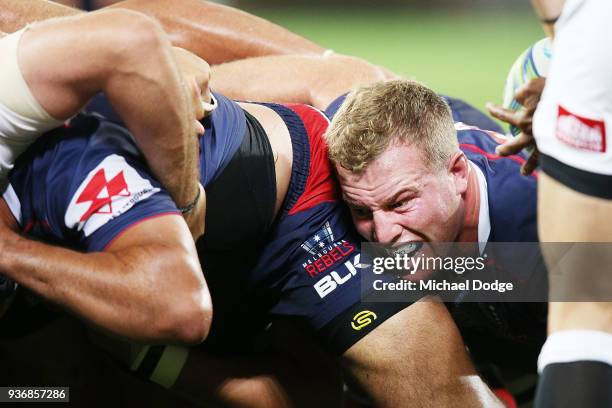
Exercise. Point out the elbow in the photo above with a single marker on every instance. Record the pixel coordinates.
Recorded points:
(185, 318)
(182, 310)
(192, 319)
(135, 36)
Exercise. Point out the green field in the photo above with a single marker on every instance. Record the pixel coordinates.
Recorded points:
(466, 54)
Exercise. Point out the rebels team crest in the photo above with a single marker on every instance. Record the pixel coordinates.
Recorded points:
(109, 190)
(320, 240)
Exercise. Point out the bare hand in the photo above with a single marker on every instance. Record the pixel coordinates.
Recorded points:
(196, 75)
(528, 96)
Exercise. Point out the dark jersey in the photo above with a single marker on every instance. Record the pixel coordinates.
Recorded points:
(507, 214)
(85, 184)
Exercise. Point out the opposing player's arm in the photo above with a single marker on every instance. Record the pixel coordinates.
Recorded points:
(127, 56)
(418, 355)
(313, 80)
(147, 285)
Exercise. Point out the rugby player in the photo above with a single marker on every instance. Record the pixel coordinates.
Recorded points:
(570, 126)
(375, 360)
(127, 56)
(477, 187)
(489, 190)
(124, 54)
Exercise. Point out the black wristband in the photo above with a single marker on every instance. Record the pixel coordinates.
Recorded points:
(191, 205)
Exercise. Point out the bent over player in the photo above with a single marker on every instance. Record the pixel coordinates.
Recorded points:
(50, 70)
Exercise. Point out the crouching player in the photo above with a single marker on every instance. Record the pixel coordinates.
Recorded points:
(124, 54)
(297, 290)
(266, 174)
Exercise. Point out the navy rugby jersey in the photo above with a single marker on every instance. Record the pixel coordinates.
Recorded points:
(511, 197)
(80, 186)
(83, 185)
(508, 212)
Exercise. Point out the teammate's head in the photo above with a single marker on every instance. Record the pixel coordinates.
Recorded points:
(395, 149)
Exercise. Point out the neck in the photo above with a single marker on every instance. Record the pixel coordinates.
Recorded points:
(469, 232)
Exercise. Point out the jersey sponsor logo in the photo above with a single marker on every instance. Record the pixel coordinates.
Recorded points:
(363, 319)
(330, 283)
(109, 190)
(580, 132)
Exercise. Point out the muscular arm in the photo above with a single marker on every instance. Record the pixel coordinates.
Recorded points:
(14, 14)
(219, 33)
(125, 55)
(314, 80)
(418, 359)
(147, 286)
(215, 32)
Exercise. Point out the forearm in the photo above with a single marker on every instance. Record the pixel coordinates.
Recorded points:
(118, 292)
(313, 80)
(220, 33)
(419, 356)
(127, 56)
(148, 92)
(214, 32)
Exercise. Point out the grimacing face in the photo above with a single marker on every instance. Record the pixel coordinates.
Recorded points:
(399, 199)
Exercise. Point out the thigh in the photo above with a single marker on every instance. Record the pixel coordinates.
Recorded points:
(579, 270)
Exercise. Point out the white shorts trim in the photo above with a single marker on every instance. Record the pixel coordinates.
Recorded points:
(576, 345)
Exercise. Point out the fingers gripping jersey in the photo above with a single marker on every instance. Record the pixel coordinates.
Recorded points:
(83, 185)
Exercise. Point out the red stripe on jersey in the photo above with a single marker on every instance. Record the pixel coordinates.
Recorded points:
(497, 137)
(320, 184)
(491, 156)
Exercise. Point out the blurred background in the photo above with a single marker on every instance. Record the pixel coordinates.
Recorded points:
(463, 48)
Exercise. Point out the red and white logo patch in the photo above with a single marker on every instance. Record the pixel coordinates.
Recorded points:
(580, 132)
(108, 191)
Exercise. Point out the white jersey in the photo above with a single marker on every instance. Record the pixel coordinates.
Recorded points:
(573, 122)
(22, 119)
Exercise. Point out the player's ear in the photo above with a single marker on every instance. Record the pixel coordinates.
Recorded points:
(459, 170)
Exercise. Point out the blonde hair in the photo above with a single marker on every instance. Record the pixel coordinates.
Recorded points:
(375, 115)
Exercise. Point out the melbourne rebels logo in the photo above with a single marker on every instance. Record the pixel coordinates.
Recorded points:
(320, 240)
(108, 191)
